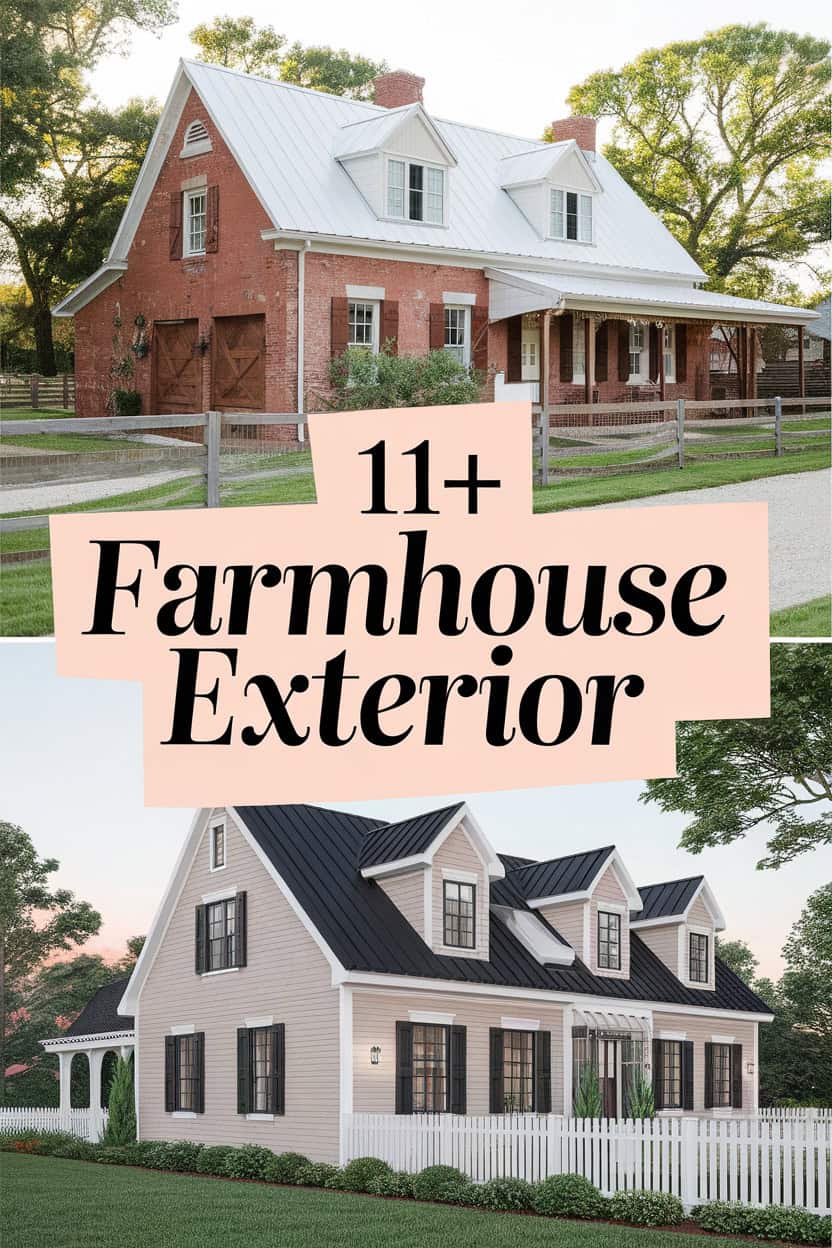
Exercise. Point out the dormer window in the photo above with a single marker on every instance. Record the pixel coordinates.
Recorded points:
(609, 940)
(458, 911)
(699, 960)
(570, 215)
(415, 192)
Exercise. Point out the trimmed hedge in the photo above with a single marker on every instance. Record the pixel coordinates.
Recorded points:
(444, 1183)
(358, 1173)
(315, 1174)
(392, 1183)
(213, 1159)
(568, 1195)
(645, 1208)
(287, 1167)
(796, 1226)
(507, 1193)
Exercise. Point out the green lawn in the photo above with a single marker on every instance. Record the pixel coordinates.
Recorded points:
(42, 413)
(49, 1202)
(68, 442)
(26, 600)
(809, 619)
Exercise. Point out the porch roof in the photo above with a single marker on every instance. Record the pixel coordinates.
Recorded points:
(603, 1020)
(515, 291)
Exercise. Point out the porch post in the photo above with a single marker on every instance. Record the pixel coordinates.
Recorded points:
(64, 1075)
(545, 334)
(752, 363)
(662, 382)
(589, 359)
(95, 1057)
(801, 366)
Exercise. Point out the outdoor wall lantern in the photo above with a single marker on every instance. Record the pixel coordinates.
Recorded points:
(749, 1068)
(375, 1055)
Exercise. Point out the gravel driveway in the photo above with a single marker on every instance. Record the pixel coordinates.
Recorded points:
(799, 528)
(43, 498)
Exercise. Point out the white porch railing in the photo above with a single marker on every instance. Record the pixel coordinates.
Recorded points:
(759, 1161)
(87, 1124)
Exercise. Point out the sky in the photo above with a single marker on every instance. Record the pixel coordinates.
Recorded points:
(71, 776)
(508, 67)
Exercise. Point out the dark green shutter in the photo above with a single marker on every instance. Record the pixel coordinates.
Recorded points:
(543, 1072)
(566, 347)
(687, 1074)
(736, 1076)
(655, 346)
(623, 351)
(170, 1074)
(709, 1076)
(404, 1068)
(199, 1063)
(681, 352)
(496, 1095)
(278, 1089)
(601, 353)
(201, 940)
(240, 927)
(514, 349)
(658, 1086)
(243, 1070)
(457, 1041)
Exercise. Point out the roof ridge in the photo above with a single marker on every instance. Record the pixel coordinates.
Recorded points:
(578, 853)
(424, 814)
(287, 86)
(682, 879)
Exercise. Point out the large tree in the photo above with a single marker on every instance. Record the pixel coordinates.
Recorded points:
(36, 919)
(723, 137)
(738, 775)
(807, 979)
(238, 43)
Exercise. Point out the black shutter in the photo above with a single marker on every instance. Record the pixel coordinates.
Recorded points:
(199, 1063)
(240, 926)
(709, 1076)
(243, 1070)
(543, 1072)
(457, 1041)
(601, 352)
(212, 219)
(687, 1074)
(681, 352)
(623, 351)
(496, 1094)
(566, 347)
(278, 1089)
(653, 339)
(658, 1086)
(736, 1076)
(170, 1074)
(514, 357)
(404, 1068)
(201, 940)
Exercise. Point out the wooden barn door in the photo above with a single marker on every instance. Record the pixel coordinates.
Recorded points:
(239, 352)
(177, 368)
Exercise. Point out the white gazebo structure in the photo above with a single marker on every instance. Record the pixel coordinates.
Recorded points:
(99, 1029)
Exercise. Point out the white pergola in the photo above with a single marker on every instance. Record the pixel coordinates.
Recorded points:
(94, 1047)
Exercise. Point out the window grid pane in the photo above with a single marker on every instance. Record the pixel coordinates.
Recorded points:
(609, 940)
(518, 1072)
(556, 212)
(721, 1074)
(261, 1070)
(586, 219)
(671, 1074)
(698, 958)
(186, 1073)
(458, 915)
(196, 223)
(221, 937)
(395, 188)
(360, 324)
(455, 321)
(571, 214)
(219, 846)
(415, 182)
(636, 348)
(434, 196)
(430, 1069)
(669, 353)
(578, 350)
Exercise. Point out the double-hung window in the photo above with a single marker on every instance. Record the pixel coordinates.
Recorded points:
(196, 222)
(457, 336)
(221, 934)
(363, 324)
(415, 192)
(720, 1064)
(578, 349)
(185, 1073)
(609, 940)
(518, 1072)
(669, 351)
(637, 349)
(698, 969)
(261, 1069)
(570, 215)
(431, 1087)
(458, 912)
(217, 846)
(670, 1074)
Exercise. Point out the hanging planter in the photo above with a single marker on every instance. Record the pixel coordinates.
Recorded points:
(140, 344)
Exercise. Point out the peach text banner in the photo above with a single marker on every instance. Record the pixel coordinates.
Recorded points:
(234, 753)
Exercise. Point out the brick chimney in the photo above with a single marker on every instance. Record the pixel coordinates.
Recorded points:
(397, 88)
(581, 129)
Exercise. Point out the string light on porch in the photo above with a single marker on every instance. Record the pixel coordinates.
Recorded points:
(375, 1055)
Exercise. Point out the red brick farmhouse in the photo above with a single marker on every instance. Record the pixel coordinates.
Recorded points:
(272, 226)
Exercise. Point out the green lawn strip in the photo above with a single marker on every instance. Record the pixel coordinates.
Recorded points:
(24, 539)
(41, 413)
(75, 442)
(808, 619)
(562, 495)
(26, 600)
(49, 1201)
(604, 458)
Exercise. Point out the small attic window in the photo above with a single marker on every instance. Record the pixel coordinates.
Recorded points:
(570, 215)
(197, 139)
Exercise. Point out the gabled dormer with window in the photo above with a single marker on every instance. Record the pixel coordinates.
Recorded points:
(401, 164)
(678, 920)
(437, 870)
(556, 189)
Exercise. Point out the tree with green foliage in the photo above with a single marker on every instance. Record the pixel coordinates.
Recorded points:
(723, 136)
(36, 920)
(807, 979)
(738, 775)
(121, 1122)
(238, 43)
(362, 380)
(738, 957)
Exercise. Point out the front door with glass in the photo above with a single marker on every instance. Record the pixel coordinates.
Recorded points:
(608, 1077)
(530, 349)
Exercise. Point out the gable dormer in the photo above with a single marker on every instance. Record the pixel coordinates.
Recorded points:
(437, 869)
(400, 163)
(678, 921)
(555, 187)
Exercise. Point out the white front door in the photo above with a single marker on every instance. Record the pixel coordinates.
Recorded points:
(530, 349)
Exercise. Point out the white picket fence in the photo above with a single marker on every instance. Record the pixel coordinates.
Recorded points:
(759, 1161)
(87, 1124)
(802, 1114)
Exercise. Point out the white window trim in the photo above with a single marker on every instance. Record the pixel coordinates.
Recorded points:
(218, 823)
(262, 1020)
(182, 1029)
(225, 894)
(365, 294)
(466, 331)
(459, 876)
(578, 334)
(642, 376)
(432, 1018)
(685, 931)
(459, 297)
(562, 238)
(223, 970)
(723, 1040)
(519, 1024)
(611, 907)
(183, 1113)
(188, 196)
(672, 1035)
(669, 375)
(259, 1117)
(425, 164)
(376, 343)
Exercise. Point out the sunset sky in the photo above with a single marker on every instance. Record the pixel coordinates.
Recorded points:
(71, 775)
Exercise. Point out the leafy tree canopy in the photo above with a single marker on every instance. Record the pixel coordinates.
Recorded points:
(735, 776)
(807, 980)
(238, 43)
(723, 137)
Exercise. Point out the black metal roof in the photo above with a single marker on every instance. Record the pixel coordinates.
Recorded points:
(100, 1014)
(317, 853)
(666, 900)
(555, 876)
(391, 841)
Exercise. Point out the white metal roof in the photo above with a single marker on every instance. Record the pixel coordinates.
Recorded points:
(514, 291)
